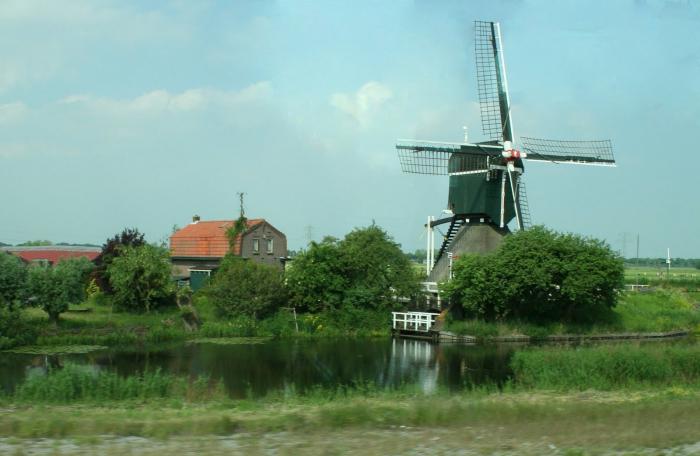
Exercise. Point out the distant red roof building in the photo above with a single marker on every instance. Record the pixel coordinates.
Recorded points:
(52, 254)
(206, 239)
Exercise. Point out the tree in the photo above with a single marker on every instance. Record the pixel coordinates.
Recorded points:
(366, 269)
(13, 275)
(377, 268)
(37, 243)
(140, 278)
(55, 288)
(14, 330)
(316, 277)
(245, 287)
(111, 249)
(538, 275)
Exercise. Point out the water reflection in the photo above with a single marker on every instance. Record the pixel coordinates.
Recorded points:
(293, 366)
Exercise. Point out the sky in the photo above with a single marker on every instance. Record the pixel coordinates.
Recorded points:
(119, 114)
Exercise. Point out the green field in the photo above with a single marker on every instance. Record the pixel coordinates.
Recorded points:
(659, 276)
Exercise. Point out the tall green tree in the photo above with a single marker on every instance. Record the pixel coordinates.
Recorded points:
(55, 288)
(539, 275)
(13, 275)
(140, 278)
(245, 287)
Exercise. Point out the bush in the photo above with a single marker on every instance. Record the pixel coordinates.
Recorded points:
(243, 287)
(140, 278)
(366, 269)
(539, 275)
(13, 276)
(14, 330)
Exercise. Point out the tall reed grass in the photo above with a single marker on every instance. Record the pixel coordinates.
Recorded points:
(78, 383)
(606, 367)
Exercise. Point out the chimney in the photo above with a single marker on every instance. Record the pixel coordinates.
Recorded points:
(195, 218)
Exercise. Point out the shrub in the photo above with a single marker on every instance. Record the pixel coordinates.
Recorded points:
(14, 330)
(242, 287)
(140, 278)
(13, 276)
(366, 269)
(539, 275)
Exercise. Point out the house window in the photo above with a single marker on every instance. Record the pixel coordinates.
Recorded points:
(269, 245)
(256, 245)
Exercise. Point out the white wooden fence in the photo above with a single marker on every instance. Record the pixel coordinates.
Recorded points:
(413, 321)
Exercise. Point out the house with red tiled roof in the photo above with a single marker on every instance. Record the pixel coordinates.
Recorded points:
(49, 255)
(197, 249)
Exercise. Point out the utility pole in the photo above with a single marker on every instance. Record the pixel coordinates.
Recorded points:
(309, 231)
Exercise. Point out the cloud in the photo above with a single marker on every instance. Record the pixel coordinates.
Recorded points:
(162, 101)
(364, 103)
(41, 39)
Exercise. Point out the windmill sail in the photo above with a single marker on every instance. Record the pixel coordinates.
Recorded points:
(578, 152)
(492, 84)
(439, 159)
(525, 217)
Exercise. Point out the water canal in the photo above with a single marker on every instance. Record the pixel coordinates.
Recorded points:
(257, 368)
(260, 368)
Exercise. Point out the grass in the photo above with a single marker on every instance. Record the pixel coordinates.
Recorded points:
(101, 326)
(56, 349)
(83, 384)
(662, 310)
(558, 398)
(688, 278)
(230, 340)
(488, 422)
(607, 367)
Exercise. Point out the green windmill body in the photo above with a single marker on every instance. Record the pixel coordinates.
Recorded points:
(486, 192)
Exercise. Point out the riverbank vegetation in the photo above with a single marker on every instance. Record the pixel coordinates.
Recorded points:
(540, 283)
(635, 396)
(661, 310)
(537, 284)
(607, 367)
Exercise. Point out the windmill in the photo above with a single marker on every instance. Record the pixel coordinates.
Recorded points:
(486, 191)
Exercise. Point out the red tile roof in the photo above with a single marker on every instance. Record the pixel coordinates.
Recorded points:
(52, 254)
(206, 239)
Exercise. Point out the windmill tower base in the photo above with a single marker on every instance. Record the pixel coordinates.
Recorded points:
(477, 239)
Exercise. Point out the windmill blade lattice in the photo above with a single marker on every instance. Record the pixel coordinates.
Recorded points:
(425, 158)
(524, 207)
(577, 152)
(439, 159)
(491, 81)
